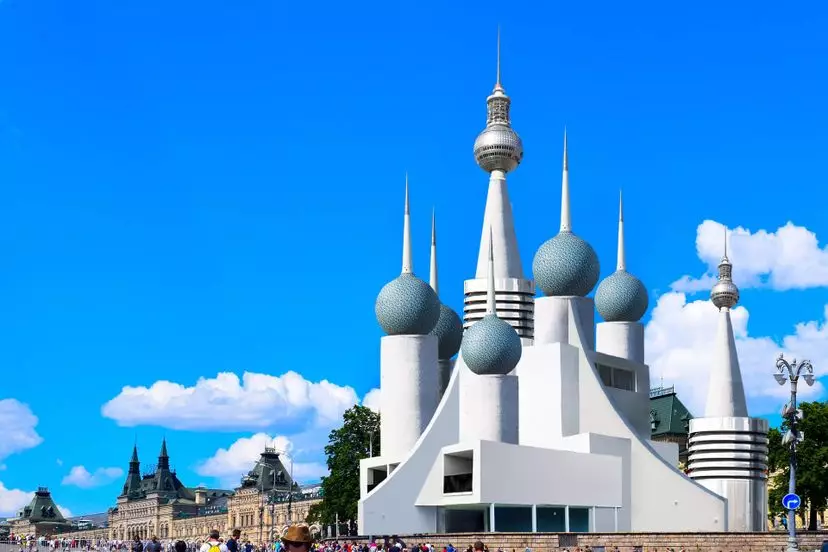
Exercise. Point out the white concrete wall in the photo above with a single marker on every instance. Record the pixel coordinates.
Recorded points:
(409, 379)
(604, 520)
(663, 498)
(391, 507)
(523, 475)
(552, 320)
(669, 452)
(548, 381)
(621, 339)
(488, 407)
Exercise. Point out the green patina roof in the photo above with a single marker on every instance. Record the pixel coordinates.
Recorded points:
(42, 509)
(668, 412)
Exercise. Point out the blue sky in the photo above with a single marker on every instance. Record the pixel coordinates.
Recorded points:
(200, 188)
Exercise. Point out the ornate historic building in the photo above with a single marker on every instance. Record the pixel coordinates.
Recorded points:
(669, 419)
(156, 502)
(41, 516)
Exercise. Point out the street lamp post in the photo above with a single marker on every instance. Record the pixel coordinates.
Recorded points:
(790, 372)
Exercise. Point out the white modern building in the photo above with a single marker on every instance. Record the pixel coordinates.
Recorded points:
(525, 416)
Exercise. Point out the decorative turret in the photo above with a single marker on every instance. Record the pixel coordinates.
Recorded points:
(621, 297)
(726, 395)
(449, 328)
(163, 457)
(566, 265)
(491, 346)
(407, 305)
(498, 147)
(498, 150)
(132, 486)
(725, 294)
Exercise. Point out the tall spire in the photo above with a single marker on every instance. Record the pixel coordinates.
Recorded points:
(433, 269)
(622, 257)
(163, 457)
(134, 459)
(407, 262)
(498, 85)
(491, 306)
(726, 394)
(163, 453)
(566, 218)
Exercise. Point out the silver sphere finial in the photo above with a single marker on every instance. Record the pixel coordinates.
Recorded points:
(725, 294)
(498, 147)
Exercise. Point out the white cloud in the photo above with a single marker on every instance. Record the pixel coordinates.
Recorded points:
(228, 465)
(372, 400)
(679, 345)
(227, 403)
(12, 500)
(789, 258)
(79, 476)
(18, 425)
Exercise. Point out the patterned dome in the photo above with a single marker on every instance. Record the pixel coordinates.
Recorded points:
(566, 265)
(407, 306)
(491, 347)
(449, 332)
(621, 297)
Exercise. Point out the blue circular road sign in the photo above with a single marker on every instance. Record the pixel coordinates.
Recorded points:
(791, 501)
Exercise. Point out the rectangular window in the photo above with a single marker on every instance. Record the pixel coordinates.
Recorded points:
(623, 379)
(617, 378)
(606, 374)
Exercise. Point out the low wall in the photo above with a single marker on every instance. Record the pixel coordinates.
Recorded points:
(622, 542)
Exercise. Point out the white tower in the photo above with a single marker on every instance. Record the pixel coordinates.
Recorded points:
(728, 450)
(498, 150)
(408, 310)
(621, 299)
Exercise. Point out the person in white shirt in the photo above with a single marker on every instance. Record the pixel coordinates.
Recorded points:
(213, 544)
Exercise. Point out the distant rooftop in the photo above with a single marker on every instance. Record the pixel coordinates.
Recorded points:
(662, 391)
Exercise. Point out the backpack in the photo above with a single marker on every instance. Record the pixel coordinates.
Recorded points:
(215, 548)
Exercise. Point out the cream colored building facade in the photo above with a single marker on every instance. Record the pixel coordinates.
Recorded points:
(156, 503)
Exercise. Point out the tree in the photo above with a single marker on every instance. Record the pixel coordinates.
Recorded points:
(346, 447)
(812, 462)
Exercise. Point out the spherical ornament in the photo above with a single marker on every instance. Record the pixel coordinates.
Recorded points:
(449, 332)
(407, 306)
(724, 294)
(498, 147)
(491, 347)
(621, 297)
(566, 265)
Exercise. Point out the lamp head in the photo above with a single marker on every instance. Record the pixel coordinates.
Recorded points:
(781, 379)
(809, 379)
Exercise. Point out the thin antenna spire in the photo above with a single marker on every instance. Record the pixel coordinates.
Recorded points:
(407, 262)
(566, 220)
(725, 242)
(497, 82)
(622, 257)
(491, 307)
(433, 272)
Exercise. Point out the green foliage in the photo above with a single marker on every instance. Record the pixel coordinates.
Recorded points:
(812, 461)
(346, 447)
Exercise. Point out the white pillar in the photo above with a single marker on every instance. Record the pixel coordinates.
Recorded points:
(489, 408)
(621, 339)
(552, 319)
(566, 519)
(491, 518)
(409, 380)
(534, 518)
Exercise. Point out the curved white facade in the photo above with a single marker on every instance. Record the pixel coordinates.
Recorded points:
(583, 458)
